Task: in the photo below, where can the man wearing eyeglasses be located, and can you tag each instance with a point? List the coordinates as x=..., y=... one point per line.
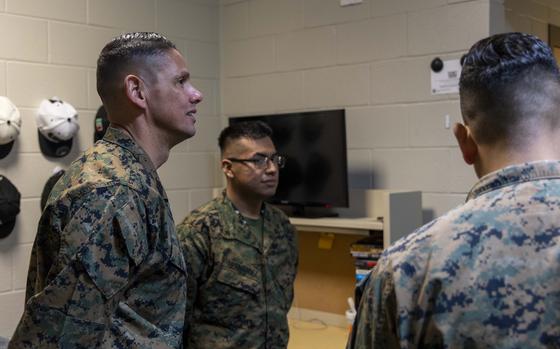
x=241, y=252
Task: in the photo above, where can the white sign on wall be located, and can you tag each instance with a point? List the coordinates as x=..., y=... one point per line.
x=447, y=79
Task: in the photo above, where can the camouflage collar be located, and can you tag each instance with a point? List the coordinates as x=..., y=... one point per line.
x=237, y=226
x=229, y=204
x=515, y=174
x=121, y=138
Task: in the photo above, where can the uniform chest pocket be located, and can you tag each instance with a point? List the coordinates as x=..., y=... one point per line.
x=240, y=277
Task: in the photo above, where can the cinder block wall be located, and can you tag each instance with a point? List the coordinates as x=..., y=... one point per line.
x=529, y=16
x=249, y=57
x=50, y=48
x=372, y=59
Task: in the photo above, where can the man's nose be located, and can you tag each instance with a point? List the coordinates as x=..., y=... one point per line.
x=271, y=166
x=196, y=97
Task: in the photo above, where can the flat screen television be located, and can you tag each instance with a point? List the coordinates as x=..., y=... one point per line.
x=315, y=177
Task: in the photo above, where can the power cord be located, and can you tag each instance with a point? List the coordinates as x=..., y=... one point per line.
x=310, y=325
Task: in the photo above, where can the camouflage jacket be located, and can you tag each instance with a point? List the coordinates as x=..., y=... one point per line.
x=485, y=275
x=240, y=285
x=106, y=267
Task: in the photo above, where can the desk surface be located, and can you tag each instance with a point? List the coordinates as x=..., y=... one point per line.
x=343, y=224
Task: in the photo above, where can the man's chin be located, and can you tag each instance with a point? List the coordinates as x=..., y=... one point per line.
x=190, y=133
x=267, y=194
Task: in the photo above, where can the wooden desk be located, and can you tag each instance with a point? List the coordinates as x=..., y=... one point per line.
x=353, y=226
x=326, y=277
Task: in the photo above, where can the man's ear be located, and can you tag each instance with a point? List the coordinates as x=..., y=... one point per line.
x=135, y=90
x=466, y=142
x=226, y=168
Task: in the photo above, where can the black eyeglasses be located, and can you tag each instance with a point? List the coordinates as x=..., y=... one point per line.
x=260, y=161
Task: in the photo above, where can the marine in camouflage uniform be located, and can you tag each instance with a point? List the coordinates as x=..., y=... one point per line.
x=240, y=283
x=484, y=275
x=241, y=253
x=106, y=267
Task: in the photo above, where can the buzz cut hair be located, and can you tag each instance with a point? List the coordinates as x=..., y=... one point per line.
x=245, y=129
x=509, y=89
x=125, y=53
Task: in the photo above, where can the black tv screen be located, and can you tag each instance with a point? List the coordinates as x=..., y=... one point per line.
x=314, y=143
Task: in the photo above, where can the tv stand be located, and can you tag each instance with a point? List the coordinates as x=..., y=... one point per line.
x=329, y=269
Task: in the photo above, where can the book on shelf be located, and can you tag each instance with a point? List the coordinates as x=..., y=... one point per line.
x=366, y=247
x=368, y=244
x=364, y=263
x=361, y=273
x=364, y=254
x=376, y=240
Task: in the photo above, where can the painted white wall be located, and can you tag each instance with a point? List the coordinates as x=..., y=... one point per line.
x=50, y=48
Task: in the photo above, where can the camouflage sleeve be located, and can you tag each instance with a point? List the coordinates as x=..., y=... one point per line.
x=376, y=318
x=71, y=313
x=296, y=252
x=195, y=241
x=120, y=246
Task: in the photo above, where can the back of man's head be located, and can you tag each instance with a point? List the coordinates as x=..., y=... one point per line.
x=127, y=54
x=247, y=129
x=510, y=89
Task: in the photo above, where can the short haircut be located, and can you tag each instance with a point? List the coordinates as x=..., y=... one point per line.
x=509, y=89
x=244, y=129
x=125, y=53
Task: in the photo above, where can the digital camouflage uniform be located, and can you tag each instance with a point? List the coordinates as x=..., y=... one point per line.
x=106, y=268
x=240, y=285
x=485, y=275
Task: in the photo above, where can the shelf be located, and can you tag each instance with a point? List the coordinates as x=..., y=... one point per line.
x=356, y=226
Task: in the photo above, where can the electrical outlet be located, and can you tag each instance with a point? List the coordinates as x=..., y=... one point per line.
x=350, y=2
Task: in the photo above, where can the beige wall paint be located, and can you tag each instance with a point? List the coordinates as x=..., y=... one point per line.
x=529, y=16
x=372, y=59
x=256, y=56
x=50, y=48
